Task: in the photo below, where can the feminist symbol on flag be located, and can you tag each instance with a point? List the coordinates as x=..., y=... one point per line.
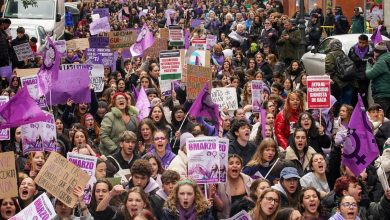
x=141, y=35
x=354, y=140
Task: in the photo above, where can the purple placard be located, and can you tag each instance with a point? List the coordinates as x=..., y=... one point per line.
x=6, y=71
x=103, y=12
x=71, y=84
x=99, y=26
x=196, y=22
x=100, y=56
x=4, y=133
x=98, y=42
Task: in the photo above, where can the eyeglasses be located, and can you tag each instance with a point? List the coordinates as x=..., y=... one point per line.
x=120, y=98
x=271, y=199
x=349, y=205
x=159, y=138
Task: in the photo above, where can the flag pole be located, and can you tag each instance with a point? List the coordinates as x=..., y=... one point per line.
x=185, y=118
x=271, y=168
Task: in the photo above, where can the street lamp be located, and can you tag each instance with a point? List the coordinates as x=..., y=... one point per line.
x=302, y=27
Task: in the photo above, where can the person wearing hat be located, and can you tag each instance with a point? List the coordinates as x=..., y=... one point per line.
x=378, y=71
x=357, y=26
x=180, y=162
x=289, y=187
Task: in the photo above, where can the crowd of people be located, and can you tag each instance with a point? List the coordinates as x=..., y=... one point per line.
x=293, y=171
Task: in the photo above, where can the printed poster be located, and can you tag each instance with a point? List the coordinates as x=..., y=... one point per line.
x=39, y=136
x=32, y=85
x=87, y=164
x=176, y=36
x=257, y=91
x=243, y=215
x=171, y=69
x=5, y=134
x=223, y=158
x=40, y=209
x=199, y=43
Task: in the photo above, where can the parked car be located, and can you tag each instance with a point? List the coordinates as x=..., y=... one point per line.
x=314, y=60
x=47, y=13
x=36, y=31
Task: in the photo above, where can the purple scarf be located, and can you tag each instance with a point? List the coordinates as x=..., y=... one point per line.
x=361, y=53
x=187, y=214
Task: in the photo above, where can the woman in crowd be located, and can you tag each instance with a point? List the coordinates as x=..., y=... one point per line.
x=267, y=205
x=288, y=117
x=158, y=117
x=317, y=178
x=299, y=153
x=65, y=212
x=161, y=148
x=294, y=72
x=311, y=204
x=101, y=169
x=180, y=124
x=237, y=185
x=288, y=213
x=121, y=117
x=146, y=129
x=100, y=190
x=157, y=169
x=80, y=143
x=186, y=202
x=348, y=209
x=28, y=191
x=93, y=130
x=263, y=160
x=289, y=187
x=35, y=162
x=8, y=208
x=340, y=126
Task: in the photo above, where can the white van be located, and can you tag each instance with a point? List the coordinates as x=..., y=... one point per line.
x=48, y=13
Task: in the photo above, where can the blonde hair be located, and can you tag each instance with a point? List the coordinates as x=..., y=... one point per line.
x=258, y=213
x=199, y=202
x=257, y=158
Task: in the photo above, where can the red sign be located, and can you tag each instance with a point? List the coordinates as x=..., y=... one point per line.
x=318, y=92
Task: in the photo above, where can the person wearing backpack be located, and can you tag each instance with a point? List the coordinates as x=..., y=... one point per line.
x=359, y=54
x=378, y=71
x=341, y=24
x=342, y=83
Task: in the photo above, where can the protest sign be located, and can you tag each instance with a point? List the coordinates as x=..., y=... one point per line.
x=223, y=158
x=257, y=91
x=102, y=12
x=318, y=92
x=225, y=98
x=40, y=209
x=78, y=44
x=32, y=85
x=61, y=47
x=164, y=33
x=199, y=43
x=95, y=17
x=171, y=68
x=243, y=215
x=196, y=22
x=176, y=36
x=211, y=41
x=87, y=164
x=98, y=41
x=6, y=71
x=8, y=185
x=203, y=161
x=197, y=57
x=59, y=177
x=95, y=72
x=197, y=76
x=99, y=56
x=4, y=133
x=71, y=84
x=158, y=45
x=23, y=51
x=39, y=136
x=26, y=72
x=99, y=25
x=122, y=39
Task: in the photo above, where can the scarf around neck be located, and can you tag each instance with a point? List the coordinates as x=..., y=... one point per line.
x=187, y=214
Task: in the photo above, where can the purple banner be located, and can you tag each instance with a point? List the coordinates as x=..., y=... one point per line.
x=71, y=84
x=98, y=42
x=100, y=56
x=103, y=12
x=4, y=133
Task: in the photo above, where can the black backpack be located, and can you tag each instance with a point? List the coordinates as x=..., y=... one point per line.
x=345, y=67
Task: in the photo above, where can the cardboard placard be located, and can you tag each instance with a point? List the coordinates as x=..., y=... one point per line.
x=197, y=76
x=318, y=92
x=59, y=177
x=164, y=33
x=23, y=52
x=122, y=39
x=78, y=44
x=225, y=98
x=8, y=185
x=158, y=45
x=26, y=72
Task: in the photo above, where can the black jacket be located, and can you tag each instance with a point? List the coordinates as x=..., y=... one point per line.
x=246, y=152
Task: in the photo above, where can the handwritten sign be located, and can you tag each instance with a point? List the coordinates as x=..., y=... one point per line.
x=78, y=44
x=158, y=46
x=59, y=177
x=26, y=72
x=88, y=164
x=197, y=76
x=4, y=133
x=99, y=25
x=23, y=51
x=164, y=33
x=40, y=209
x=225, y=98
x=99, y=56
x=318, y=92
x=8, y=185
x=122, y=39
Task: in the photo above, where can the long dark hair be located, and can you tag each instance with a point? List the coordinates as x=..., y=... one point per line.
x=294, y=146
x=313, y=131
x=93, y=204
x=301, y=207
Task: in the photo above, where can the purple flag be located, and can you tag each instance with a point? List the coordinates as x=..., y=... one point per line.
x=135, y=92
x=377, y=36
x=50, y=67
x=205, y=107
x=19, y=110
x=263, y=120
x=143, y=104
x=360, y=148
x=144, y=41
